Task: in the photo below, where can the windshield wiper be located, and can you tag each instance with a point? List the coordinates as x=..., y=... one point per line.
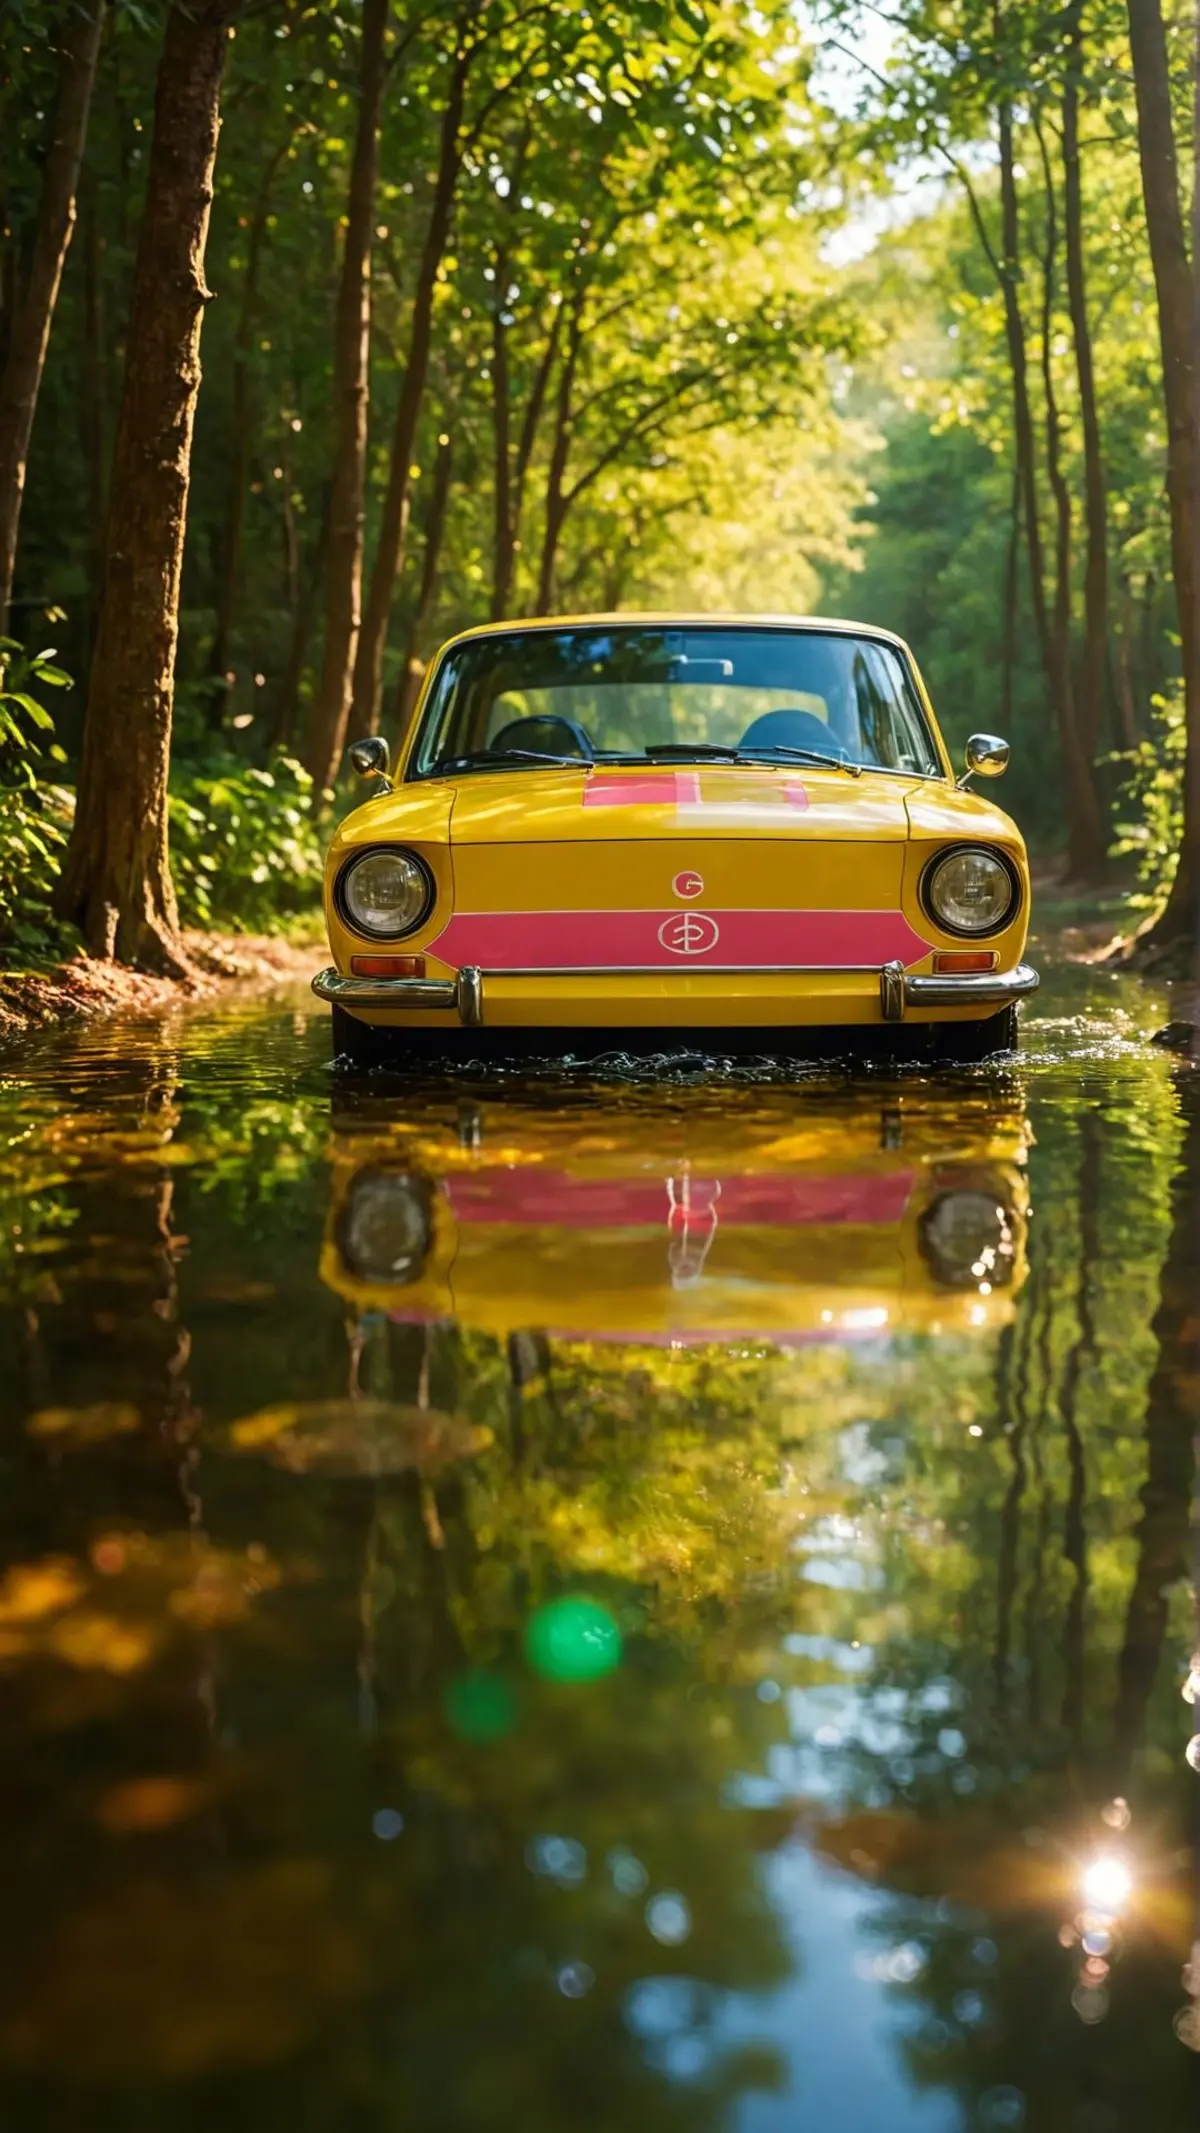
x=712, y=751
x=491, y=758
x=800, y=755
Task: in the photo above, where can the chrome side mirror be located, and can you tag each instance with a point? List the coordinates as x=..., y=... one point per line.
x=987, y=757
x=371, y=758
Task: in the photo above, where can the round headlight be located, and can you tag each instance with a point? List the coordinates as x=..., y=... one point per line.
x=385, y=893
x=967, y=1238
x=970, y=890
x=385, y=1227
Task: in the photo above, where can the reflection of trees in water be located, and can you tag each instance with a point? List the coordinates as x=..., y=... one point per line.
x=1080, y=1354
x=986, y=1875
x=421, y=1975
x=1172, y=1420
x=434, y=1975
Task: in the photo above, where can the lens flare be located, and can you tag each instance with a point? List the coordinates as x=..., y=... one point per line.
x=573, y=1640
x=1107, y=1883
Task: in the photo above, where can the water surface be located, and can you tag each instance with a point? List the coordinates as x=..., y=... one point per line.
x=549, y=1602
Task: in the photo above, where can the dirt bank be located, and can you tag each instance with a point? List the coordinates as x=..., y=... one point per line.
x=82, y=988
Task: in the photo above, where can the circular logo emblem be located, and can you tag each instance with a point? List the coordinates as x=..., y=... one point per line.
x=688, y=884
x=689, y=933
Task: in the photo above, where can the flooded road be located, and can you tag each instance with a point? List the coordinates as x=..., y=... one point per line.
x=551, y=1604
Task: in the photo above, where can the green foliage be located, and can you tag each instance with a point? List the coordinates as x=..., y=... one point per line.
x=34, y=814
x=1152, y=801
x=245, y=849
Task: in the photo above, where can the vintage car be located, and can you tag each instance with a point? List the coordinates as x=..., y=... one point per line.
x=683, y=1222
x=653, y=828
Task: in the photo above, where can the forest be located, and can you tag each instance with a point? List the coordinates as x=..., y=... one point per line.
x=326, y=331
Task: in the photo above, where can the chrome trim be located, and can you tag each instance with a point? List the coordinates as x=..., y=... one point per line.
x=470, y=996
x=973, y=989
x=897, y=990
x=385, y=992
x=370, y=758
x=891, y=992
x=688, y=969
x=987, y=757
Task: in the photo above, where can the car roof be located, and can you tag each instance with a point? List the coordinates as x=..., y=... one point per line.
x=680, y=619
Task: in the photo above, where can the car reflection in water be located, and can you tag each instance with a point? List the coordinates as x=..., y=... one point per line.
x=679, y=1224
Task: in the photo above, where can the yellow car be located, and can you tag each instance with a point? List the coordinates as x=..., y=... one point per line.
x=647, y=827
x=682, y=1223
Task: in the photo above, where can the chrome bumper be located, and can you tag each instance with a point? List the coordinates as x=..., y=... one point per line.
x=463, y=995
x=984, y=988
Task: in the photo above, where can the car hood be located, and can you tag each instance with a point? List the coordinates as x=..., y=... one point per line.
x=936, y=811
x=679, y=800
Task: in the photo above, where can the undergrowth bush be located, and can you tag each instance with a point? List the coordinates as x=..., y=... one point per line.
x=245, y=848
x=35, y=815
x=1150, y=806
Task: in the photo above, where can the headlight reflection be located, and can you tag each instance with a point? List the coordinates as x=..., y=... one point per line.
x=386, y=1226
x=967, y=1241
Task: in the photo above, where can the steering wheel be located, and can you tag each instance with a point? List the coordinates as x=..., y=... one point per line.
x=532, y=733
x=791, y=729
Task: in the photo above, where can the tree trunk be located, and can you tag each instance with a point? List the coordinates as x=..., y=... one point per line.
x=1012, y=590
x=393, y=530
x=240, y=431
x=116, y=882
x=93, y=401
x=30, y=337
x=1126, y=697
x=351, y=354
x=556, y=500
x=413, y=672
x=1014, y=334
x=1176, y=292
x=1086, y=840
x=1076, y=776
x=503, y=531
x=288, y=701
x=1094, y=662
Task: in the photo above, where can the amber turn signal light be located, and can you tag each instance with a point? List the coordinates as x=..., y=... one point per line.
x=388, y=966
x=958, y=959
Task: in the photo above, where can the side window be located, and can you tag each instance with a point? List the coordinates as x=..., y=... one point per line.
x=892, y=735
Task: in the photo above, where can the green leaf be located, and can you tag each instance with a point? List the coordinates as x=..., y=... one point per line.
x=37, y=712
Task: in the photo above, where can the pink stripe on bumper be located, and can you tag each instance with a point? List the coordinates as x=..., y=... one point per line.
x=678, y=940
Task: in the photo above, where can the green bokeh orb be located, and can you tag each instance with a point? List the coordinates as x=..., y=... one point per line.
x=573, y=1640
x=480, y=1706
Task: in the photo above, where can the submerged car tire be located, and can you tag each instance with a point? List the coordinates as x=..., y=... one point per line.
x=969, y=1042
x=356, y=1043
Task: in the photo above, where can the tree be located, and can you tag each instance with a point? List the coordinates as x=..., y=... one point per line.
x=1176, y=290
x=79, y=33
x=393, y=532
x=1095, y=587
x=993, y=70
x=116, y=882
x=351, y=387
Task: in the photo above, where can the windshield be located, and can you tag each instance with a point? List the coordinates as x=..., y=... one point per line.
x=528, y=696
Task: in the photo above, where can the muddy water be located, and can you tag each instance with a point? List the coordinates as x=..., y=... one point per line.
x=613, y=1604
